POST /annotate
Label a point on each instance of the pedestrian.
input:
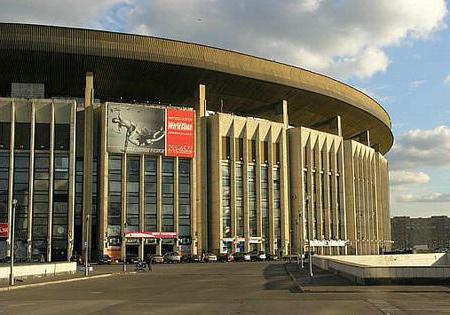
(150, 264)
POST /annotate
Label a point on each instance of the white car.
(247, 257)
(210, 257)
(172, 257)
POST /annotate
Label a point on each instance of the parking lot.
(219, 288)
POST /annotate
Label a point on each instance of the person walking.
(150, 268)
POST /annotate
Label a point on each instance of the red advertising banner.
(163, 235)
(3, 229)
(180, 133)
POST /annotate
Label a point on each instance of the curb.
(32, 285)
(293, 279)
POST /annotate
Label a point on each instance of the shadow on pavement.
(277, 279)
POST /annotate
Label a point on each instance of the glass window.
(114, 195)
(168, 195)
(226, 199)
(133, 190)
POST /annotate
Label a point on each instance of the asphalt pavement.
(219, 288)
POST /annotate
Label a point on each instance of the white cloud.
(80, 13)
(346, 38)
(416, 83)
(447, 80)
(425, 198)
(418, 148)
(398, 178)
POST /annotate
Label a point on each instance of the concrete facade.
(284, 158)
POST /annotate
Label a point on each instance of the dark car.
(270, 257)
(77, 258)
(6, 259)
(239, 257)
(131, 259)
(37, 258)
(104, 260)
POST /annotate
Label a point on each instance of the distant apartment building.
(430, 234)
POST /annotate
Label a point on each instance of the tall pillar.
(284, 189)
(31, 182)
(72, 170)
(11, 173)
(88, 157)
(124, 206)
(200, 172)
(142, 203)
(51, 184)
(159, 200)
(103, 181)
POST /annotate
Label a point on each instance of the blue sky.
(397, 51)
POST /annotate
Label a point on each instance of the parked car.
(172, 257)
(187, 258)
(77, 258)
(247, 257)
(210, 257)
(37, 258)
(155, 259)
(132, 259)
(229, 257)
(104, 260)
(257, 256)
(270, 257)
(238, 257)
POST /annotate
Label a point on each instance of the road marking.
(385, 307)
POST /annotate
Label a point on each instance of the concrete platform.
(40, 269)
(389, 269)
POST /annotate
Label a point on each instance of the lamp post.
(124, 244)
(86, 249)
(11, 242)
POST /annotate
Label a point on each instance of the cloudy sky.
(397, 51)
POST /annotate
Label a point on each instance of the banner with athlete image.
(150, 129)
(136, 129)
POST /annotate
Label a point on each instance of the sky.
(396, 51)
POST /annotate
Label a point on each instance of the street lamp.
(86, 248)
(11, 242)
(124, 246)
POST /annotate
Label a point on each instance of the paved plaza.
(220, 288)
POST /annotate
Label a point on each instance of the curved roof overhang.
(148, 68)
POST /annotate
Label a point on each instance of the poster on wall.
(179, 133)
(136, 129)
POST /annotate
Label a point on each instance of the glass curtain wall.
(4, 175)
(168, 195)
(239, 200)
(184, 198)
(226, 199)
(21, 194)
(252, 216)
(265, 206)
(133, 189)
(150, 190)
(276, 204)
(114, 198)
(60, 206)
(40, 203)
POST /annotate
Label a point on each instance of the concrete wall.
(47, 269)
(420, 268)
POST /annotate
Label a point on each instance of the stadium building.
(137, 145)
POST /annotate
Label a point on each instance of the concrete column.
(103, 180)
(233, 184)
(142, 202)
(88, 155)
(31, 182)
(72, 171)
(11, 173)
(124, 205)
(245, 186)
(176, 208)
(271, 159)
(51, 184)
(284, 189)
(159, 200)
(200, 171)
(258, 189)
